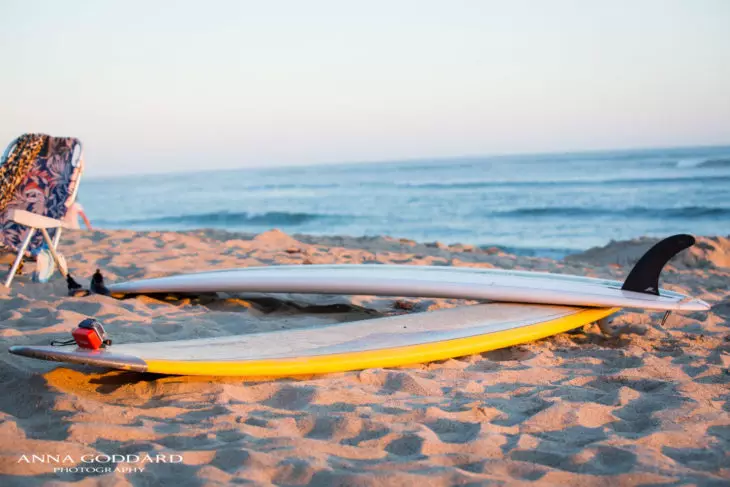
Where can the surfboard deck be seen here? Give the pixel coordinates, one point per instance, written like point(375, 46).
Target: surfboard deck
point(418, 281)
point(382, 342)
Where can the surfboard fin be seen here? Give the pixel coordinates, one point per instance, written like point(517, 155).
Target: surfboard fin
point(644, 277)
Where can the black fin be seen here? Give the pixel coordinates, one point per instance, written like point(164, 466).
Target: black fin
point(644, 277)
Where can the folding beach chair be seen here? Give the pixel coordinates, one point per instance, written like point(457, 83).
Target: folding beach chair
point(39, 176)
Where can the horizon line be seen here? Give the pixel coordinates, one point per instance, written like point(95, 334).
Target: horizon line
point(406, 160)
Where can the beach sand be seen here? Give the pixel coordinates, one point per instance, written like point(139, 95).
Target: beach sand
point(635, 404)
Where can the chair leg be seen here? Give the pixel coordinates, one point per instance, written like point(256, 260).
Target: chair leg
point(52, 249)
point(57, 237)
point(19, 257)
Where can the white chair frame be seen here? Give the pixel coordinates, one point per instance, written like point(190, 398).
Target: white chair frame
point(35, 222)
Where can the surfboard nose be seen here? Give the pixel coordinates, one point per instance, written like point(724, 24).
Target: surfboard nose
point(696, 305)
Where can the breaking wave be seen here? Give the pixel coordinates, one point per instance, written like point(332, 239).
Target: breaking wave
point(230, 219)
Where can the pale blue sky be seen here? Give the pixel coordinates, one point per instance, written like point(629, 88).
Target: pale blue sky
point(153, 86)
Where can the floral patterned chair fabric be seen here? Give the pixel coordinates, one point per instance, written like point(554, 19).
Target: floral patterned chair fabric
point(40, 174)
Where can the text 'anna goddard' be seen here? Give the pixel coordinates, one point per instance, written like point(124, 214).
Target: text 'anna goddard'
point(100, 459)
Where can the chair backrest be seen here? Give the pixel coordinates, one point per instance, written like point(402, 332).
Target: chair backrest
point(40, 174)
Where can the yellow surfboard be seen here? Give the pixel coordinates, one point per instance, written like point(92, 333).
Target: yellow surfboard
point(383, 342)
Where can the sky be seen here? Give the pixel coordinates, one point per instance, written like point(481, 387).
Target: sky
point(188, 85)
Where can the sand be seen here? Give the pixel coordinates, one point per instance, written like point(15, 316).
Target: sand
point(633, 404)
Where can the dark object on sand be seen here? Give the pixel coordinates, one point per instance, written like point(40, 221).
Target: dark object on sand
point(74, 288)
point(97, 284)
point(403, 304)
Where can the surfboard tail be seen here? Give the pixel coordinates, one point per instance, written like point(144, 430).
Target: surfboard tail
point(644, 277)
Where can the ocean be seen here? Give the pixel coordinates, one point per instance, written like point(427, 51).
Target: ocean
point(540, 204)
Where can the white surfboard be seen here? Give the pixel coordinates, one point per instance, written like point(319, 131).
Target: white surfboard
point(640, 290)
point(421, 281)
point(382, 342)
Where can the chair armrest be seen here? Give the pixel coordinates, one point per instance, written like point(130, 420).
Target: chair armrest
point(33, 220)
